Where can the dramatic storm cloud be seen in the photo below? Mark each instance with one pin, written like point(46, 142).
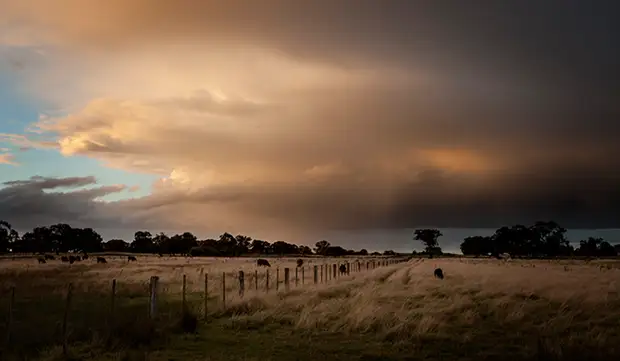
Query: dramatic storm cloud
point(296, 116)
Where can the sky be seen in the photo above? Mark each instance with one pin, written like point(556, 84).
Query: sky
point(355, 121)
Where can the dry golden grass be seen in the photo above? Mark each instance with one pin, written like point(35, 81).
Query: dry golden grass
point(483, 308)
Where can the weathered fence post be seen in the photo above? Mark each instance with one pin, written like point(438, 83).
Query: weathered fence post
point(256, 279)
point(277, 279)
point(224, 289)
point(335, 268)
point(322, 267)
point(267, 281)
point(241, 283)
point(296, 276)
point(348, 268)
point(316, 274)
point(206, 295)
point(112, 306)
point(303, 276)
point(184, 304)
point(65, 320)
point(9, 323)
point(286, 279)
point(153, 297)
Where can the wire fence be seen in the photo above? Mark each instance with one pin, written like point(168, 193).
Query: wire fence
point(56, 313)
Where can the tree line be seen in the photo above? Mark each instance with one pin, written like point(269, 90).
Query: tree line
point(62, 238)
point(543, 239)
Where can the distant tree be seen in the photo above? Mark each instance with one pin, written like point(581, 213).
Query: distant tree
point(142, 242)
point(429, 238)
point(242, 244)
point(389, 253)
point(334, 251)
point(63, 238)
point(8, 237)
point(363, 252)
point(259, 246)
point(617, 249)
point(161, 242)
point(116, 245)
point(321, 247)
point(37, 240)
point(305, 250)
point(477, 246)
point(606, 250)
point(182, 243)
point(282, 248)
point(549, 239)
point(86, 240)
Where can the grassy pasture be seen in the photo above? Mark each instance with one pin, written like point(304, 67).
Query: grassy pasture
point(483, 309)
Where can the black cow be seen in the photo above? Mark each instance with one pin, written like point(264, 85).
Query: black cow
point(74, 259)
point(438, 273)
point(50, 257)
point(101, 260)
point(64, 259)
point(262, 262)
point(41, 260)
point(300, 262)
point(342, 269)
point(131, 258)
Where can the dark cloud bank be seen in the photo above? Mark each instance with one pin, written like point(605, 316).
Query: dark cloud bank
point(533, 83)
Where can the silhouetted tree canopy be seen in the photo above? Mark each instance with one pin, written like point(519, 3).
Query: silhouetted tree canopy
point(542, 239)
point(429, 238)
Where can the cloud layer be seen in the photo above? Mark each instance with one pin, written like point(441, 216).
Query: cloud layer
point(279, 117)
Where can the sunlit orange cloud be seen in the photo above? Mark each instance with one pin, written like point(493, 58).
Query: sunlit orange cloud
point(254, 113)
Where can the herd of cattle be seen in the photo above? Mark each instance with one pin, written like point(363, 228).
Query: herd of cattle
point(71, 259)
point(438, 273)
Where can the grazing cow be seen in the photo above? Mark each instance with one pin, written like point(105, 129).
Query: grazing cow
point(74, 259)
point(41, 260)
point(101, 260)
point(64, 259)
point(262, 262)
point(85, 257)
point(300, 262)
point(50, 257)
point(131, 258)
point(438, 273)
point(342, 269)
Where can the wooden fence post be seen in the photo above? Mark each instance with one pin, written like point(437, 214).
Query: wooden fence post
point(303, 276)
point(224, 289)
point(277, 279)
point(153, 297)
point(184, 304)
point(286, 279)
point(112, 306)
point(296, 276)
point(348, 268)
point(9, 323)
point(65, 320)
point(256, 279)
point(267, 281)
point(316, 274)
point(241, 283)
point(206, 306)
point(322, 267)
point(335, 269)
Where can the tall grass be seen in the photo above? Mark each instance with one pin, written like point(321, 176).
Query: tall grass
point(523, 309)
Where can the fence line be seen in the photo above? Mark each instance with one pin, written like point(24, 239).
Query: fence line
point(328, 272)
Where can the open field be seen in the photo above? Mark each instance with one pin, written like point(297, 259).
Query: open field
point(483, 309)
